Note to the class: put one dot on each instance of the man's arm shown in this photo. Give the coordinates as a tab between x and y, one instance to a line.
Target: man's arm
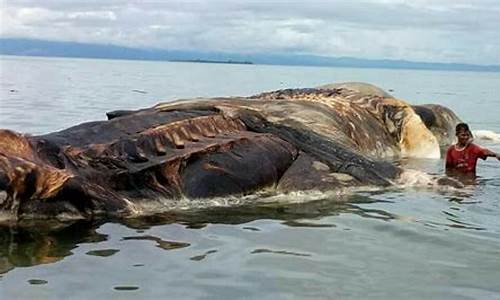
488	153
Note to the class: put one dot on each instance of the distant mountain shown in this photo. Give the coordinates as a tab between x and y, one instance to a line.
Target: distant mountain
30	47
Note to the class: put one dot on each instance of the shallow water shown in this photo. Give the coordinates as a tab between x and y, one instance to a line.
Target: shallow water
413	241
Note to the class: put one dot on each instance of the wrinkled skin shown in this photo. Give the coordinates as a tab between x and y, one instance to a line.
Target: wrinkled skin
288	140
440	120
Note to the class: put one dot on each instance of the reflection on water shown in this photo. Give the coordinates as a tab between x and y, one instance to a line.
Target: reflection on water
165	245
126	288
103	252
318	240
295	223
284	252
37	281
203	256
30	246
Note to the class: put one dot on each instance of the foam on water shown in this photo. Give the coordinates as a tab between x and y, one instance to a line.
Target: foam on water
263	197
411	178
487	135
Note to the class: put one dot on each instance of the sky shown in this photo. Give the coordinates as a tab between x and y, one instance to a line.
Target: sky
460	31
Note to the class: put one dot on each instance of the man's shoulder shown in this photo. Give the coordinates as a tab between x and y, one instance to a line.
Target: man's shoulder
478	150
473	146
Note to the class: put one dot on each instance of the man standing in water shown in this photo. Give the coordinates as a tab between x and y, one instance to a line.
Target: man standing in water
461	158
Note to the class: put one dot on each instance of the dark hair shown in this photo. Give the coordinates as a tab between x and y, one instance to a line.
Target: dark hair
462	127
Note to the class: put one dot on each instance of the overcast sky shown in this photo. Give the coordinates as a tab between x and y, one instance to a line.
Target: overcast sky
466	31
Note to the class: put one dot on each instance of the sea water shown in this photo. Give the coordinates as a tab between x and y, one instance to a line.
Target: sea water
412	241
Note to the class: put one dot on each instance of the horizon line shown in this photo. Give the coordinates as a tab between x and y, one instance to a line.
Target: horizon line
383	63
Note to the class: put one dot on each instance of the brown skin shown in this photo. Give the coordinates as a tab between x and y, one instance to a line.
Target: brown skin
464	138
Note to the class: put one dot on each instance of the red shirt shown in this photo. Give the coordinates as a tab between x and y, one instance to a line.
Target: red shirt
464	161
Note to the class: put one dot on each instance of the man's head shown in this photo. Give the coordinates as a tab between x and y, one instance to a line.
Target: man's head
463	134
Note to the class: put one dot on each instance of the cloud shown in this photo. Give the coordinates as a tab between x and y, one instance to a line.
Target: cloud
424	30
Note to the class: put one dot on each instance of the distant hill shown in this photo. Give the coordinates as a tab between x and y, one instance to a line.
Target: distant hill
30	47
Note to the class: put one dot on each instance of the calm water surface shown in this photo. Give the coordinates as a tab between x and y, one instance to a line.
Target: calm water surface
408	242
